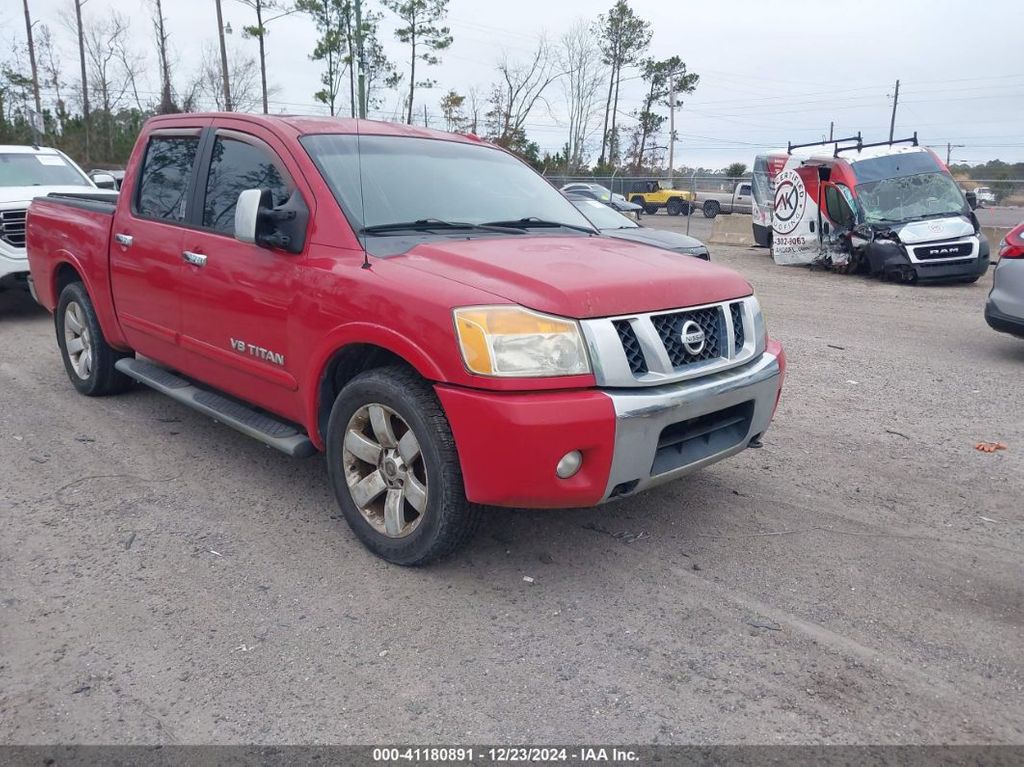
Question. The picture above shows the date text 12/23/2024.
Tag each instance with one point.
(457, 754)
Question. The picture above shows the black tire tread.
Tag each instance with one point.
(105, 379)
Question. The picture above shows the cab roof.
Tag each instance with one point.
(303, 125)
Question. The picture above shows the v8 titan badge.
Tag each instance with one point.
(790, 198)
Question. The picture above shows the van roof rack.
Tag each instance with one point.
(860, 145)
(790, 146)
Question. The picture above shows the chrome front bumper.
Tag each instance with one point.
(745, 396)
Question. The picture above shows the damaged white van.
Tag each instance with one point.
(882, 209)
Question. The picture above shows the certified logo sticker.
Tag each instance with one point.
(790, 198)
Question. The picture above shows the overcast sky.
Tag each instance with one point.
(770, 71)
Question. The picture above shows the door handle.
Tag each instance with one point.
(123, 239)
(196, 259)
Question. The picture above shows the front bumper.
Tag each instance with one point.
(631, 439)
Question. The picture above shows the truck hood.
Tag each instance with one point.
(579, 277)
(934, 229)
(25, 194)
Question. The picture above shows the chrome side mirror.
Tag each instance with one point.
(247, 213)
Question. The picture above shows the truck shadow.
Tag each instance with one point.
(18, 304)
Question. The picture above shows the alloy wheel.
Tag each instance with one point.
(77, 340)
(384, 470)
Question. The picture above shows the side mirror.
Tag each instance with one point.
(104, 180)
(247, 214)
(258, 222)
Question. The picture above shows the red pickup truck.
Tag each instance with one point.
(421, 306)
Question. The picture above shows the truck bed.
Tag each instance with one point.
(72, 231)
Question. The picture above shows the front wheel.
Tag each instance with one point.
(88, 358)
(394, 468)
(674, 207)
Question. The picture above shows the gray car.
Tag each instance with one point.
(1005, 308)
(613, 224)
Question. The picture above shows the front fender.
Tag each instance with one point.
(359, 333)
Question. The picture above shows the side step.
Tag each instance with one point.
(267, 429)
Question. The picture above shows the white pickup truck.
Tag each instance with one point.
(738, 201)
(27, 172)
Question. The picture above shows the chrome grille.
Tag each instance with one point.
(631, 346)
(12, 227)
(736, 310)
(633, 350)
(670, 329)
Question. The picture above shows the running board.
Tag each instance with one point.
(267, 429)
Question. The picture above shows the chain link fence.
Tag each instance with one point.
(626, 185)
(992, 192)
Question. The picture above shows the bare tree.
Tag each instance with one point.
(102, 39)
(522, 85)
(580, 59)
(32, 58)
(476, 102)
(85, 78)
(167, 104)
(132, 63)
(50, 63)
(207, 86)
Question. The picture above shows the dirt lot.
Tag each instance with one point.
(860, 579)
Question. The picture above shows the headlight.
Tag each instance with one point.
(513, 341)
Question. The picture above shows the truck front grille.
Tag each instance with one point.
(943, 250)
(631, 346)
(736, 310)
(12, 227)
(670, 329)
(664, 346)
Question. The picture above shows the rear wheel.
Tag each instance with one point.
(711, 208)
(88, 358)
(394, 468)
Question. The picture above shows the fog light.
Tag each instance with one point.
(570, 464)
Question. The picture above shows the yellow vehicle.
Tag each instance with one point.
(656, 195)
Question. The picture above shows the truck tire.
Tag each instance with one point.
(674, 206)
(395, 472)
(88, 358)
(711, 208)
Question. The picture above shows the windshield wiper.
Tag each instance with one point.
(533, 221)
(427, 224)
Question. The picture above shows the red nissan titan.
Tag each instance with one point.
(421, 306)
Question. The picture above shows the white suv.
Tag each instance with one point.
(27, 172)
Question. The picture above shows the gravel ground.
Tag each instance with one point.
(859, 580)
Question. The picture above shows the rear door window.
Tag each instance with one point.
(164, 180)
(237, 165)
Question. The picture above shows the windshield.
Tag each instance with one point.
(415, 179)
(603, 217)
(901, 199)
(38, 169)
